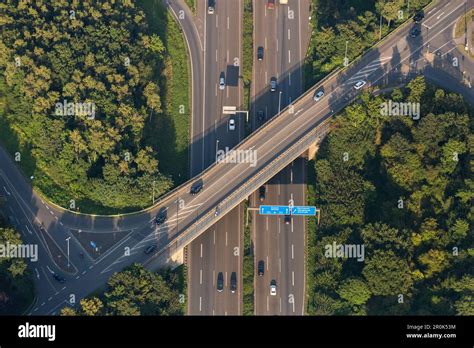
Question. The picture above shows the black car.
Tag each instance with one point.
(160, 218)
(261, 267)
(415, 32)
(260, 53)
(197, 187)
(418, 17)
(220, 282)
(287, 219)
(233, 282)
(59, 278)
(261, 193)
(149, 249)
(261, 115)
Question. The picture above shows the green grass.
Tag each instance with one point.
(461, 24)
(310, 233)
(169, 131)
(248, 268)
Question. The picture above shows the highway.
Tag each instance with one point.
(278, 143)
(284, 33)
(215, 250)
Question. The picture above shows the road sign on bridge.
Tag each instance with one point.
(287, 210)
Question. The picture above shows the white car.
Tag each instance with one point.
(222, 83)
(318, 96)
(359, 84)
(231, 124)
(273, 288)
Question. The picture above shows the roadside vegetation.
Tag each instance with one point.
(405, 193)
(135, 291)
(192, 5)
(16, 282)
(247, 51)
(133, 76)
(355, 22)
(248, 268)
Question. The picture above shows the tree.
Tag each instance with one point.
(354, 291)
(387, 274)
(91, 306)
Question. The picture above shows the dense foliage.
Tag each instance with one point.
(16, 284)
(405, 193)
(135, 291)
(355, 22)
(101, 53)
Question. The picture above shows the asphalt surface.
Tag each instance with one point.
(284, 34)
(219, 248)
(278, 143)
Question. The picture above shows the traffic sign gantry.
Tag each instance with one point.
(286, 210)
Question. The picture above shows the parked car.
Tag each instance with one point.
(260, 53)
(359, 84)
(261, 268)
(149, 249)
(233, 282)
(232, 124)
(273, 287)
(220, 282)
(218, 211)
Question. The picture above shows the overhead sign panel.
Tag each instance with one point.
(286, 210)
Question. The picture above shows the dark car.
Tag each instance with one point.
(261, 115)
(287, 219)
(160, 218)
(271, 4)
(197, 187)
(211, 6)
(261, 268)
(261, 193)
(418, 17)
(220, 282)
(260, 53)
(233, 282)
(149, 249)
(59, 278)
(415, 32)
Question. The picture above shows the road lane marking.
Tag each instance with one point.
(289, 79)
(291, 176)
(37, 273)
(200, 303)
(279, 264)
(293, 277)
(442, 13)
(28, 230)
(448, 51)
(292, 251)
(8, 193)
(289, 36)
(214, 236)
(217, 21)
(268, 304)
(228, 23)
(266, 222)
(289, 56)
(280, 304)
(200, 276)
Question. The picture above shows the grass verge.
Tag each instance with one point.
(247, 51)
(192, 5)
(248, 267)
(310, 234)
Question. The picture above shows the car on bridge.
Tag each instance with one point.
(149, 249)
(161, 218)
(318, 95)
(359, 84)
(273, 84)
(196, 187)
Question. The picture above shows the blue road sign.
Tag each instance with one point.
(285, 210)
(93, 244)
(274, 210)
(303, 210)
